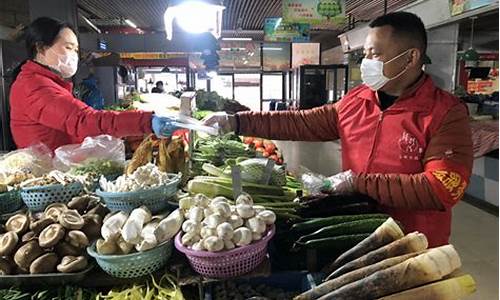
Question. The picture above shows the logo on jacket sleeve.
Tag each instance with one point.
(452, 182)
(410, 147)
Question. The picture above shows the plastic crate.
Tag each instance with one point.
(10, 201)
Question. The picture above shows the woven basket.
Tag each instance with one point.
(10, 201)
(227, 264)
(37, 198)
(155, 199)
(135, 264)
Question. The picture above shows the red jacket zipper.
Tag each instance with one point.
(375, 141)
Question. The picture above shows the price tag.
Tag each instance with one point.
(266, 176)
(237, 187)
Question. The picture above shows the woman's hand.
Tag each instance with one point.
(163, 126)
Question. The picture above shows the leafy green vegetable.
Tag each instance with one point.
(100, 167)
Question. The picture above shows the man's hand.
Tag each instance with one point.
(223, 122)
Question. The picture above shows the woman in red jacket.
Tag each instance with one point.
(42, 106)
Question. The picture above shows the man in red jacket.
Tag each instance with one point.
(405, 142)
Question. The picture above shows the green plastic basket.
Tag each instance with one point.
(156, 199)
(135, 264)
(10, 201)
(37, 198)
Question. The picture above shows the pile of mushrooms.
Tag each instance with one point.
(53, 240)
(124, 233)
(215, 225)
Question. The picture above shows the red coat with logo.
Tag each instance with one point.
(44, 110)
(414, 158)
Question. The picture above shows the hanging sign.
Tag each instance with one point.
(323, 14)
(460, 6)
(275, 30)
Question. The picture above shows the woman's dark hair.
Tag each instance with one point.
(41, 32)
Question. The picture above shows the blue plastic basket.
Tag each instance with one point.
(10, 201)
(156, 199)
(37, 198)
(135, 264)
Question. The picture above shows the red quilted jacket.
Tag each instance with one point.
(44, 110)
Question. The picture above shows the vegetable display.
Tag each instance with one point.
(52, 241)
(164, 289)
(386, 263)
(265, 148)
(122, 233)
(232, 290)
(144, 177)
(215, 225)
(98, 168)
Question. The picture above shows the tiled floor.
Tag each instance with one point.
(475, 236)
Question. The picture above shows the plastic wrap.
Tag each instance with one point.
(22, 164)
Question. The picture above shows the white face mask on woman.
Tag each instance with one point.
(67, 64)
(372, 72)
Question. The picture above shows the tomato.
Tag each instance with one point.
(280, 161)
(270, 148)
(265, 154)
(273, 157)
(248, 140)
(260, 149)
(257, 143)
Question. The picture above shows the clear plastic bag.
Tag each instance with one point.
(99, 148)
(22, 164)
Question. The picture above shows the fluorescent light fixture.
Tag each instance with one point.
(92, 25)
(278, 23)
(272, 48)
(195, 16)
(130, 23)
(236, 39)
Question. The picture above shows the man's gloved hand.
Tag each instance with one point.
(340, 183)
(222, 121)
(162, 126)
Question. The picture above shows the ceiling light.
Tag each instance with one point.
(195, 16)
(236, 39)
(130, 23)
(92, 25)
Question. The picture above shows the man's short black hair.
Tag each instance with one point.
(158, 83)
(405, 26)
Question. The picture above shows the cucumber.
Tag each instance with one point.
(338, 244)
(318, 223)
(352, 227)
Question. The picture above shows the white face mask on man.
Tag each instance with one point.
(372, 72)
(67, 64)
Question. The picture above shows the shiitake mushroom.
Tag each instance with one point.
(46, 263)
(71, 219)
(27, 253)
(8, 243)
(51, 235)
(18, 223)
(72, 264)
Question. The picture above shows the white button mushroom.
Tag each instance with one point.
(198, 246)
(256, 236)
(214, 220)
(213, 244)
(256, 224)
(244, 198)
(221, 208)
(259, 208)
(268, 216)
(228, 245)
(190, 225)
(196, 214)
(225, 231)
(245, 211)
(189, 238)
(186, 203)
(242, 236)
(207, 231)
(235, 221)
(201, 200)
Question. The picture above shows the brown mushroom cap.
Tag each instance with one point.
(71, 219)
(100, 210)
(65, 249)
(8, 242)
(79, 203)
(44, 264)
(106, 247)
(54, 210)
(92, 226)
(77, 239)
(28, 236)
(51, 235)
(41, 224)
(18, 223)
(27, 253)
(5, 267)
(72, 264)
